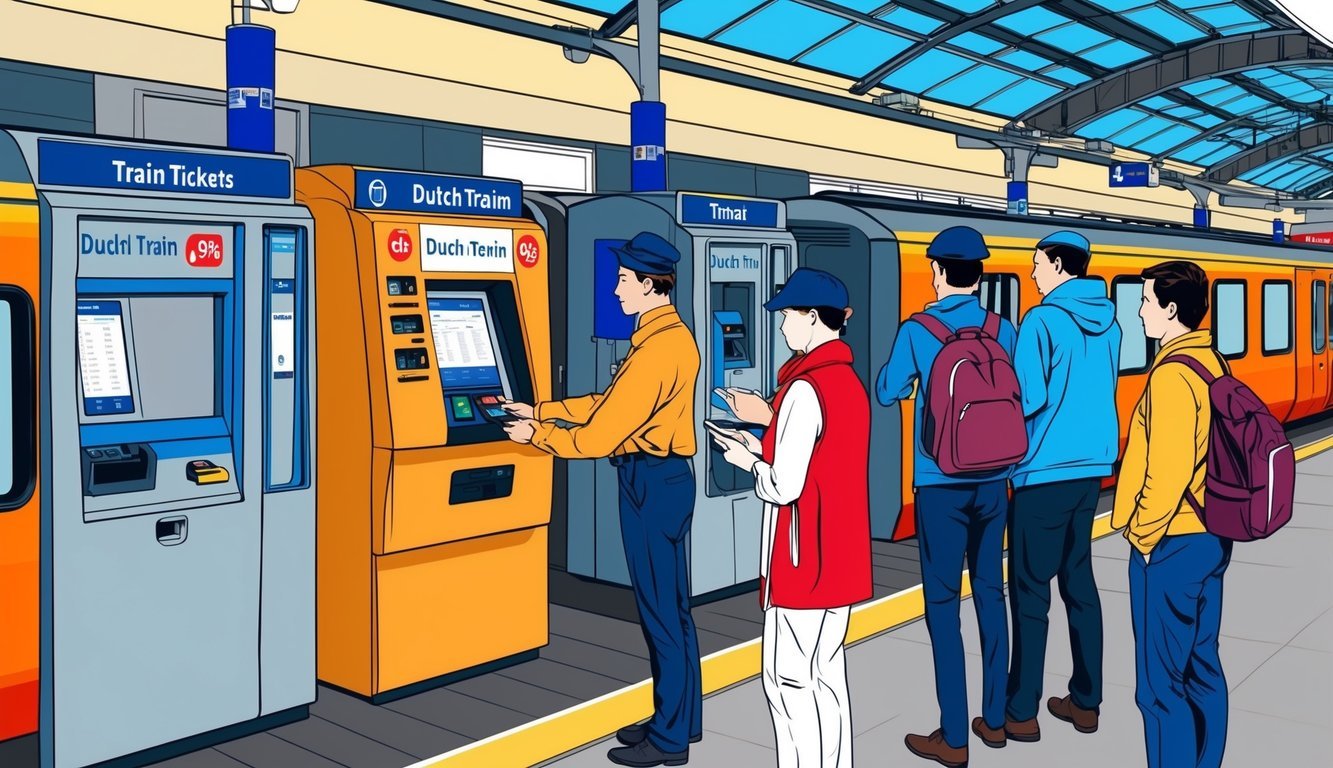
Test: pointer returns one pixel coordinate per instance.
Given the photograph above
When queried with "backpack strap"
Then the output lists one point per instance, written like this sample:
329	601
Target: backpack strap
992	326
934	325
1194	365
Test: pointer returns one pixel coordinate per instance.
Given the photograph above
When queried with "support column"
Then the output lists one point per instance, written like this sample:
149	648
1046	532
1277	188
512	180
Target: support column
251	65
647	117
1203	216
1279	231
1017	161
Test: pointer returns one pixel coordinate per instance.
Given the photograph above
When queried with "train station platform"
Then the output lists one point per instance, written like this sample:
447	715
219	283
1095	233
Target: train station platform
560	708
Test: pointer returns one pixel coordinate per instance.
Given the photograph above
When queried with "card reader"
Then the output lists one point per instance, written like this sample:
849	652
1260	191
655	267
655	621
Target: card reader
205	472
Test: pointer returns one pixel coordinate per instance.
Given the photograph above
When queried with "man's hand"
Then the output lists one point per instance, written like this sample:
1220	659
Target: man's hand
521	410
521	431
748	406
734	450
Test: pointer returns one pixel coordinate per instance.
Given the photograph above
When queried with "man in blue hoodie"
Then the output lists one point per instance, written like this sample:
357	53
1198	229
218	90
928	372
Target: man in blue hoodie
1067	361
957	518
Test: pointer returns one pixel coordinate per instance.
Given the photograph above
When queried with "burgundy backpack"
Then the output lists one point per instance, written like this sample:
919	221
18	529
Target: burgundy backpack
974	411
1251	466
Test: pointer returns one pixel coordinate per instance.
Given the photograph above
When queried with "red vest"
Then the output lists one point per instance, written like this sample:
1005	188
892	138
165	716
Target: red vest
832	516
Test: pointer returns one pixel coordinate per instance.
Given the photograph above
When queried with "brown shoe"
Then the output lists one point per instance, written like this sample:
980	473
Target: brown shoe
932	747
991	737
1084	720
1026	731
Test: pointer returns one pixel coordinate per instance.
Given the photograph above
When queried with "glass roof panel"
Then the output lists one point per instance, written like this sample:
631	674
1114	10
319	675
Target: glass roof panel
1141	131
1031	21
1246	105
1074	38
1167	25
975	85
971	41
1207	121
1115	54
1203	87
1029	61
701	18
1157	102
1214	157
864	6
927	70
856	52
1122	5
1225	14
782	30
1199	149
1166	139
1014	100
917	22
1071	76
1111	123
970	6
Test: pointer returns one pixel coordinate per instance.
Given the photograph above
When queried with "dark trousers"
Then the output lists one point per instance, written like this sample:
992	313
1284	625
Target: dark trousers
656	510
954	523
1176	602
1050	536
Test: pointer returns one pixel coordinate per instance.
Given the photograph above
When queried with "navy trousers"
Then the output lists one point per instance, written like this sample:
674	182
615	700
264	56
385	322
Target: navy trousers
1050	537
1176	602
656	510
956	523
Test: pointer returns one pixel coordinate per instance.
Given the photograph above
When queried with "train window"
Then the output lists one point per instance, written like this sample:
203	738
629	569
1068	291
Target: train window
1229	324
17	413
1277	317
1318	336
999	294
1135	348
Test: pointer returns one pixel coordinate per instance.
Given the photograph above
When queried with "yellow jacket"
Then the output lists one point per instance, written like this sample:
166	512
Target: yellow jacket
1167	447
649	407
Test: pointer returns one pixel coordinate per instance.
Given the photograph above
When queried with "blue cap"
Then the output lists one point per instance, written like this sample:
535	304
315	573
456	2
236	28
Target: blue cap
649	254
961	243
1065	237
809	288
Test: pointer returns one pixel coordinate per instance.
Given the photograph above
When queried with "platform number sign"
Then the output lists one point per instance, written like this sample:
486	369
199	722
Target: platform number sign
203	250
400	245
529	252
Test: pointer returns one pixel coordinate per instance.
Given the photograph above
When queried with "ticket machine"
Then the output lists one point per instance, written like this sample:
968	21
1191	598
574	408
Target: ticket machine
174	463
432	524
735	252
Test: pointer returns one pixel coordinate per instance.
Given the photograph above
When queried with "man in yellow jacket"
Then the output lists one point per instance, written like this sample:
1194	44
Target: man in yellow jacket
644	422
1175	565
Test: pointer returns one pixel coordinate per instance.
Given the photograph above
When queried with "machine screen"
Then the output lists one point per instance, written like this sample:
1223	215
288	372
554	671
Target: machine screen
102	361
465	342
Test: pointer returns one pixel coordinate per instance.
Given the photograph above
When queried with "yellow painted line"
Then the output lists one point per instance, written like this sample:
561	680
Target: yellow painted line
574	728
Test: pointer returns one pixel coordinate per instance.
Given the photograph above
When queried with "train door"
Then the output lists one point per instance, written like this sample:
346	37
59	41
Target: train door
1312	379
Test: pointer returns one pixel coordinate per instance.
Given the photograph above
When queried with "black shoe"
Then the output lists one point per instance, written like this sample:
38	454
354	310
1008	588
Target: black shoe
633	734
645	755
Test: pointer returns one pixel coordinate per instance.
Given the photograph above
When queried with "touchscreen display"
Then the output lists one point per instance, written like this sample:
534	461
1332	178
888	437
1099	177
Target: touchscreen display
464	342
103	365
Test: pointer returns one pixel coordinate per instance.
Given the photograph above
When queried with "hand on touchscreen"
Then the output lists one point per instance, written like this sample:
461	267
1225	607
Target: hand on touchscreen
748	405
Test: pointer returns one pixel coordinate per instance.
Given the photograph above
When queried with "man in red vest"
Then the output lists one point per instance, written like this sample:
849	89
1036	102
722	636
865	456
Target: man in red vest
811	469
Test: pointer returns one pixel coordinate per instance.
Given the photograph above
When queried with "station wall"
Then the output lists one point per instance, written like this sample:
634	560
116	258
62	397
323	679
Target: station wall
450	85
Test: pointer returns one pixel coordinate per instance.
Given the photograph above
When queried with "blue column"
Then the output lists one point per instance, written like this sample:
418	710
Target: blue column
1279	231
1202	218
250	80
647	138
1018	197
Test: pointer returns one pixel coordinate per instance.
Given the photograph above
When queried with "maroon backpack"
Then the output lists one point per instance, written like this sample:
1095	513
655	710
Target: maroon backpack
1251	466
974	411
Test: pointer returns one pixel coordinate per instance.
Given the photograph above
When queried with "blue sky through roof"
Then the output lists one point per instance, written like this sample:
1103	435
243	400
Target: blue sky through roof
782	29
701	18
857	51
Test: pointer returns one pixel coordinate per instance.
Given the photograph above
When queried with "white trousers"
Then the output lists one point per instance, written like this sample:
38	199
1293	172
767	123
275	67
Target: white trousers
805	679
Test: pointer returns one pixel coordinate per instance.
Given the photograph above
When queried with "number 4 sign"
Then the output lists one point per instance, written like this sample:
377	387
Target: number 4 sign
529	252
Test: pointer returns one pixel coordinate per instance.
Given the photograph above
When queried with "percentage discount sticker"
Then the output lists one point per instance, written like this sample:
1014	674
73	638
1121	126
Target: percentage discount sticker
204	250
529	252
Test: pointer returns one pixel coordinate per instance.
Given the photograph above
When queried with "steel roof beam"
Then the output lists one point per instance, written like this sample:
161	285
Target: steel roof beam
1308	139
1319	189
1217	130
949	32
1215	58
619	22
1111	25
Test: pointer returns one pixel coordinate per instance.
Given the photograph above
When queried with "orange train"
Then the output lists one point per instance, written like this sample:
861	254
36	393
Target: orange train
1269	307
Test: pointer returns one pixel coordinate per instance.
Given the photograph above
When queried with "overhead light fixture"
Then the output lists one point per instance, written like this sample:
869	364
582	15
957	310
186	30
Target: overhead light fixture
1099	145
903	102
277	6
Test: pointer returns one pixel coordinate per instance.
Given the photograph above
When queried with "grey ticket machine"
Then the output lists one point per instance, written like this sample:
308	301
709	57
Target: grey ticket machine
735	252
176	371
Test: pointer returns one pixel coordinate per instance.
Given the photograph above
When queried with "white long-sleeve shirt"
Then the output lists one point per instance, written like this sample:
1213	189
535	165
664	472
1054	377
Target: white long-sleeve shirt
800	421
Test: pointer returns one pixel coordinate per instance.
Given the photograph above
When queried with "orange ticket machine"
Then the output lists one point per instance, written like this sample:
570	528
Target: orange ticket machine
432	307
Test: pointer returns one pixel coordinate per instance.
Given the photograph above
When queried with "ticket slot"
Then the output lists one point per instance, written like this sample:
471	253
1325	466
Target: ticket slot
124	468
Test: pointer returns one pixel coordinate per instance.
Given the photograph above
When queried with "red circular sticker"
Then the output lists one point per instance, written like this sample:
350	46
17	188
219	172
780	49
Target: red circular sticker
400	245
203	250
529	252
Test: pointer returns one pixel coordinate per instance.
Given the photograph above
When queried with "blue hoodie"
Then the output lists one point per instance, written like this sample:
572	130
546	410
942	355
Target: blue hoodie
914	352
1067	361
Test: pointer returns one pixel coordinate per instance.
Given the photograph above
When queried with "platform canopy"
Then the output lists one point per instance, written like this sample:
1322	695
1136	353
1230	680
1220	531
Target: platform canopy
1232	86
